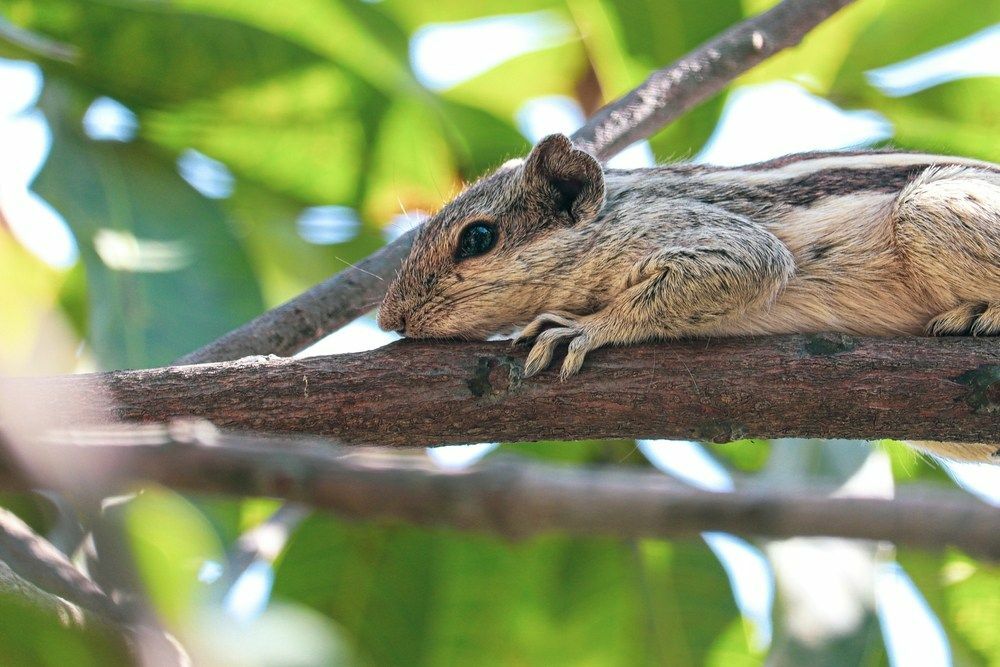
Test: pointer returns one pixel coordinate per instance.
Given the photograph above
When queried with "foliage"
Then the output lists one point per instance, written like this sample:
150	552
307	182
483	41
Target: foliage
316	103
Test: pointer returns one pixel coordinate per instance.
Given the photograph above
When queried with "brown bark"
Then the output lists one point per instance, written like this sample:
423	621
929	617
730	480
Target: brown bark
414	393
517	498
666	95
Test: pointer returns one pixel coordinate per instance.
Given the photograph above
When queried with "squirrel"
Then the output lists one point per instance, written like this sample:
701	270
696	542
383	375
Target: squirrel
865	242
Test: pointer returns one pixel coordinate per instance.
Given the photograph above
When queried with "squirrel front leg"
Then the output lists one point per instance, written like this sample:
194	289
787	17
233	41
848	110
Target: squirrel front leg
721	272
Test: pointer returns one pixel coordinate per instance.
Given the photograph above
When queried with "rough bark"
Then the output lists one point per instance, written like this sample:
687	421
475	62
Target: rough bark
419	393
517	498
667	94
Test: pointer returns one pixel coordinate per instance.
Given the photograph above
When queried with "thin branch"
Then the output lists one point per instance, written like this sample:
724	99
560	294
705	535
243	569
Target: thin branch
818	386
32	557
666	95
671	91
518	498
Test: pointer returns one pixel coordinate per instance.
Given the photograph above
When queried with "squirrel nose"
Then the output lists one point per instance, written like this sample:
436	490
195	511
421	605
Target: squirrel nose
391	320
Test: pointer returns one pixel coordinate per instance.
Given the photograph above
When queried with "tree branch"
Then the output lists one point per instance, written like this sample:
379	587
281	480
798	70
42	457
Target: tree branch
672	90
825	385
663	97
516	498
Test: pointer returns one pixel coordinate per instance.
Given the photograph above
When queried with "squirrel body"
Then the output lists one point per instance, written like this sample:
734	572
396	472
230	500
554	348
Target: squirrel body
877	243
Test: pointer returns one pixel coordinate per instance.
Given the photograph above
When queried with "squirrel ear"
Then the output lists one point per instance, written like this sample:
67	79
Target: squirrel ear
570	176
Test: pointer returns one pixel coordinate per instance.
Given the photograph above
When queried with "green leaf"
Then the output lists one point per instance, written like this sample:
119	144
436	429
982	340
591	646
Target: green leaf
965	596
36	637
357	38
172	55
300	134
165	272
907	28
548	71
419	597
171	540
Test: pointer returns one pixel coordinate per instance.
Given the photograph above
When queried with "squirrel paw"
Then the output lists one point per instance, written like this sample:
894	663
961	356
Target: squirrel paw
970	318
581	333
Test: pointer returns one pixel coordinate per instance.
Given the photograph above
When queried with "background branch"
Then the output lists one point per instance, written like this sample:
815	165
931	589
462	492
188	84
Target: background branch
663	97
720	390
515	498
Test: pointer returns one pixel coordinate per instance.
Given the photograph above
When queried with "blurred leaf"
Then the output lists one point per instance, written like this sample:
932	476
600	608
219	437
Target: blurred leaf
547	71
581	451
301	134
34	637
745	455
730	649
481	140
287	264
415	14
27	294
412	168
965	596
172	55
907	28
165	273
357	37
960	117
171	541
418	597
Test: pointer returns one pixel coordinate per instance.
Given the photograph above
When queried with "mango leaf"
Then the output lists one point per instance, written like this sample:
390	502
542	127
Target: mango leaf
172	55
422	597
548	71
300	134
904	29
165	273
357	37
958	118
480	140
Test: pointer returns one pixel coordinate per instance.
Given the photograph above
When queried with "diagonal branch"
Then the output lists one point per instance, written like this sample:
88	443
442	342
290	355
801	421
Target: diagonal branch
516	498
666	95
823	385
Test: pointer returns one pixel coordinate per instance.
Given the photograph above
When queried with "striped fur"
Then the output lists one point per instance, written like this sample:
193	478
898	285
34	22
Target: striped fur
879	243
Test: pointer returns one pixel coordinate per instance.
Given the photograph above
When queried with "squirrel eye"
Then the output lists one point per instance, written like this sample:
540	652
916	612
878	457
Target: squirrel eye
476	239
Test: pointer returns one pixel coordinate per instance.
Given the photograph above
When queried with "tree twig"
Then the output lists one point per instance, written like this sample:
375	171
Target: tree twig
816	386
517	498
667	94
672	90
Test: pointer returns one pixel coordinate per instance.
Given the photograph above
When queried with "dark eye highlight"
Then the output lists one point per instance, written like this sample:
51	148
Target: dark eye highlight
476	239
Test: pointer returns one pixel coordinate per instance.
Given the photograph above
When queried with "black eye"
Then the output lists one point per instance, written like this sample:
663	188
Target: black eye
476	239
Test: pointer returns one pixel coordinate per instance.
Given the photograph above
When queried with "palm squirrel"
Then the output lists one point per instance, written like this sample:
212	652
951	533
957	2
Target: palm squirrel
875	243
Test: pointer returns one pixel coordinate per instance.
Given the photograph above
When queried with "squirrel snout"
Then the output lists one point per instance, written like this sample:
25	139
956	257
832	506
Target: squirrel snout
391	319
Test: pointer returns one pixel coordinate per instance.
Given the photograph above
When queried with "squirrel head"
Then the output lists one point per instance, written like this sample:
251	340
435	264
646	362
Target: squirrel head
473	270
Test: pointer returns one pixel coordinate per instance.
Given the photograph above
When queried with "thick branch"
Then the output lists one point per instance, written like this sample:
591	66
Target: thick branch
416	393
665	96
516	498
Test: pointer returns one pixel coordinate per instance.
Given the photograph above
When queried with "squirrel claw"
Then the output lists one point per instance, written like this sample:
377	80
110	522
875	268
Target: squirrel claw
581	341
